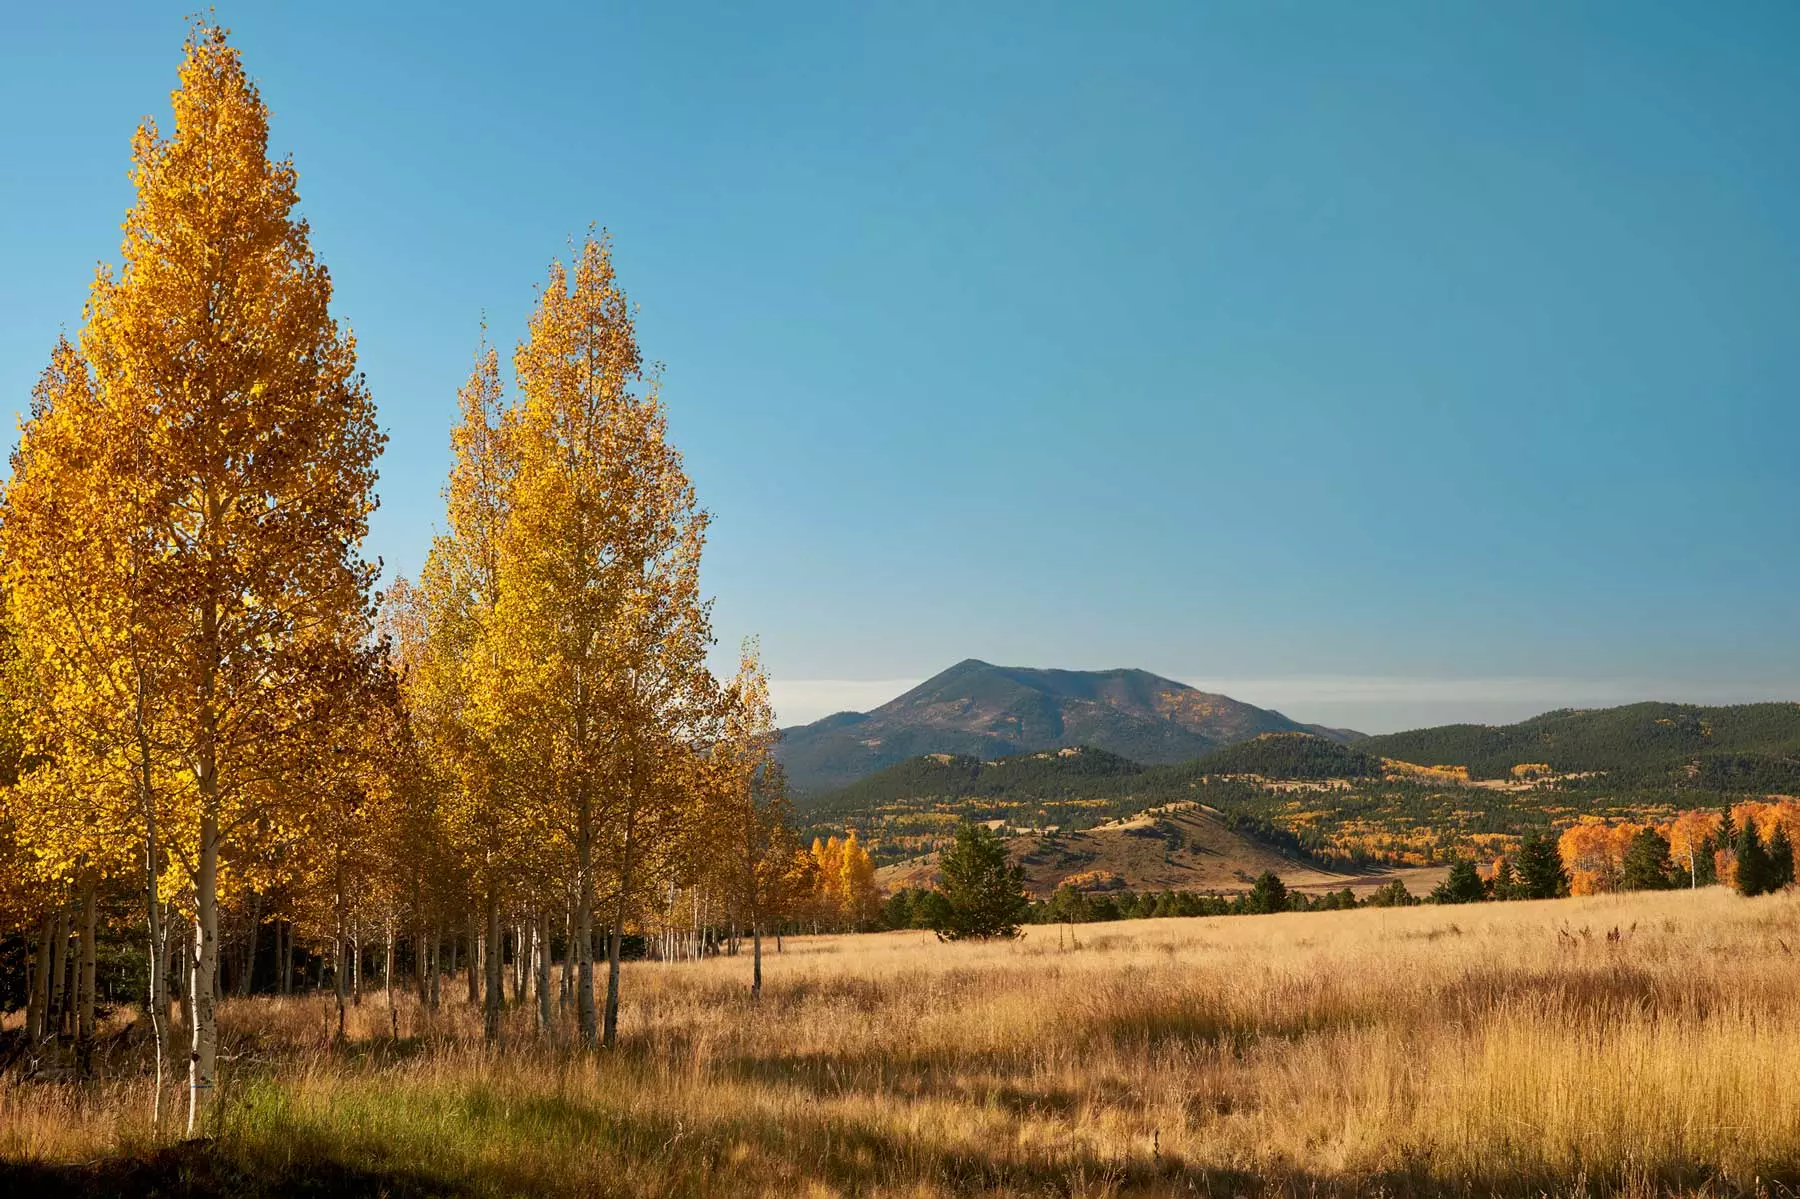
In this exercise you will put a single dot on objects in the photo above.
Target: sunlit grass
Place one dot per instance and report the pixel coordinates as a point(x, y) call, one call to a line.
point(1633, 1044)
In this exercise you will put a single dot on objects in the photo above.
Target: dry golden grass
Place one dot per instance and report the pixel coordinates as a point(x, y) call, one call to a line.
point(1499, 1048)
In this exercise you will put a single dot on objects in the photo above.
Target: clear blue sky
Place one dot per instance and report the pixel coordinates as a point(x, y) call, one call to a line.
point(1436, 358)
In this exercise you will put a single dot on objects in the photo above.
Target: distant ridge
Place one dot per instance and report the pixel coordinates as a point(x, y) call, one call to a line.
point(980, 710)
point(1745, 747)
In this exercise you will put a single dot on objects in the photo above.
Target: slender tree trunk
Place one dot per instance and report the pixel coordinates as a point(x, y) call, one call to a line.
point(610, 1032)
point(584, 928)
point(158, 998)
point(756, 959)
point(387, 982)
point(474, 958)
point(59, 969)
point(422, 951)
point(340, 977)
point(203, 1064)
point(85, 985)
point(541, 934)
point(247, 980)
point(496, 952)
point(565, 986)
point(37, 1014)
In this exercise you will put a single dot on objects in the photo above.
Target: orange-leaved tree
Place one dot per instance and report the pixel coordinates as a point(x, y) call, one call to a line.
point(601, 630)
point(254, 445)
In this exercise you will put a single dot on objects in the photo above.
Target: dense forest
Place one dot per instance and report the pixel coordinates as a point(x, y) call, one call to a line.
point(1747, 745)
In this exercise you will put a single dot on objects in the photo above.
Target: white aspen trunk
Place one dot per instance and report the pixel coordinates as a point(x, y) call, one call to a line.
point(474, 958)
point(756, 959)
point(495, 953)
point(85, 984)
point(541, 934)
point(59, 969)
point(387, 981)
point(610, 1033)
point(37, 1012)
point(559, 967)
point(584, 928)
point(340, 977)
point(203, 1064)
point(249, 975)
point(356, 964)
point(421, 950)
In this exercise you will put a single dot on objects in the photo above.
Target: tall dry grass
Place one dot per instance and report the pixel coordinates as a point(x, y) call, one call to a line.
point(1633, 1044)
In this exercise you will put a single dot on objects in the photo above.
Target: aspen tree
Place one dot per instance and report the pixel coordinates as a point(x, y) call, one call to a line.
point(457, 595)
point(216, 341)
point(76, 546)
point(603, 628)
point(755, 816)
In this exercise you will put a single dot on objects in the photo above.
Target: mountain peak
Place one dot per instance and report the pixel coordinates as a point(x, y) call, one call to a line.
point(987, 711)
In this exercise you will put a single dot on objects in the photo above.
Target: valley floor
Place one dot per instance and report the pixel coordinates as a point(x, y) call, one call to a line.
point(1610, 1045)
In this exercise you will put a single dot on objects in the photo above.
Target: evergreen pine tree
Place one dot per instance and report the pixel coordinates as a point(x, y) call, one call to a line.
point(1464, 885)
point(1268, 894)
point(1781, 858)
point(1706, 864)
point(1393, 895)
point(1647, 866)
point(1505, 884)
point(1541, 873)
point(985, 895)
point(1753, 865)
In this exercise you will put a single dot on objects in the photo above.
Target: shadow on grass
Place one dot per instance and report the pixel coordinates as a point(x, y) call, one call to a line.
point(761, 1156)
point(205, 1168)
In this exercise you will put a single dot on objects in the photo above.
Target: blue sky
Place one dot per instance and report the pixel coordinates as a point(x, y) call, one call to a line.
point(1387, 364)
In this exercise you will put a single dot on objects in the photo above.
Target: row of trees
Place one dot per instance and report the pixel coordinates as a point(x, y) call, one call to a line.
point(1750, 845)
point(511, 760)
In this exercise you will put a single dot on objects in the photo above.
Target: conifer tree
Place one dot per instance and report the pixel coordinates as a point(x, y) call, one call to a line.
point(1754, 869)
point(984, 894)
point(1268, 894)
point(1541, 872)
point(1647, 865)
point(1781, 858)
point(1463, 885)
point(1705, 866)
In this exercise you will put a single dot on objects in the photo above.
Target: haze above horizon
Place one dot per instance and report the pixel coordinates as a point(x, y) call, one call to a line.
point(1385, 368)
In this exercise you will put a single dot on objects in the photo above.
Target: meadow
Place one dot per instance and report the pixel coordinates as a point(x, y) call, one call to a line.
point(1635, 1044)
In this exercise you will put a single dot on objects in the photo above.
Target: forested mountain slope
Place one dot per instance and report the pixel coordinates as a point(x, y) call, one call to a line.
point(984, 711)
point(1741, 746)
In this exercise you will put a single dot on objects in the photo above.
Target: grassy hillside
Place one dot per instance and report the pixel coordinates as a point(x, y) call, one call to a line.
point(1180, 847)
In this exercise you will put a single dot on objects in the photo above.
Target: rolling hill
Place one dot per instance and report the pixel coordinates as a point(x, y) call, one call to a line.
point(1745, 747)
point(1179, 847)
point(978, 710)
